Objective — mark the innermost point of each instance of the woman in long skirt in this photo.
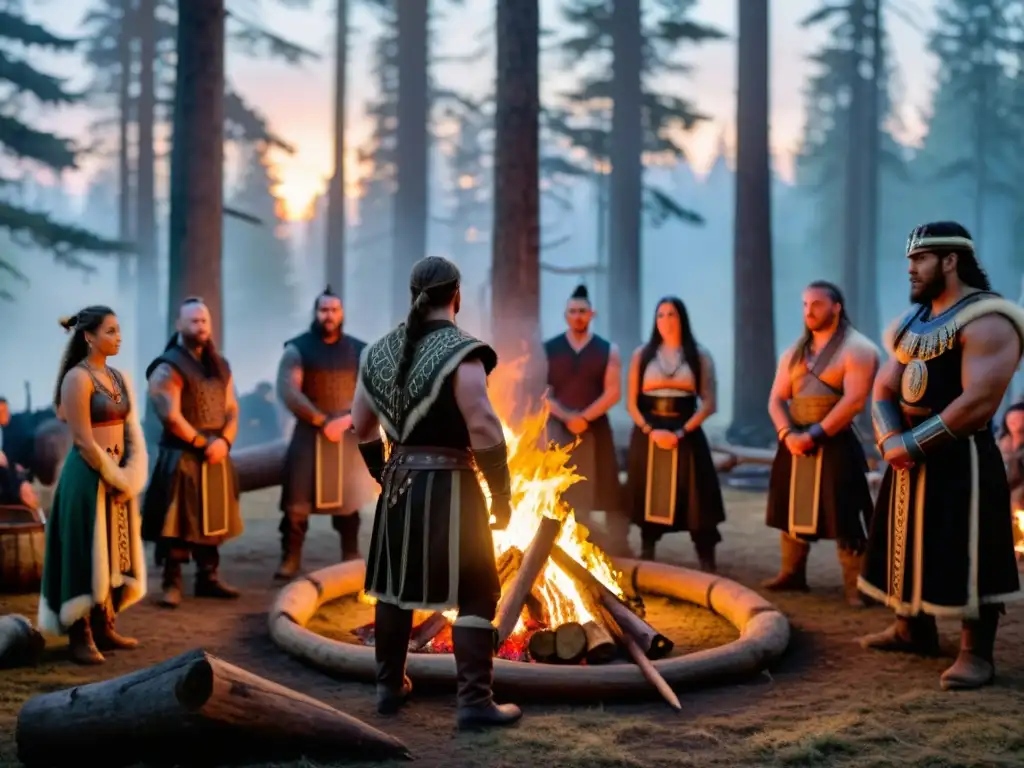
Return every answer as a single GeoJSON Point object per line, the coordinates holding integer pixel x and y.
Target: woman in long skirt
{"type": "Point", "coordinates": [672, 483]}
{"type": "Point", "coordinates": [95, 566]}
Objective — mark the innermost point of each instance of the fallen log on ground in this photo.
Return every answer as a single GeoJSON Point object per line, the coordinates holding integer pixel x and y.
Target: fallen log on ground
{"type": "Point", "coordinates": [534, 561]}
{"type": "Point", "coordinates": [647, 669]}
{"type": "Point", "coordinates": [21, 643]}
{"type": "Point", "coordinates": [259, 466]}
{"type": "Point", "coordinates": [192, 708]}
{"type": "Point", "coordinates": [654, 644]}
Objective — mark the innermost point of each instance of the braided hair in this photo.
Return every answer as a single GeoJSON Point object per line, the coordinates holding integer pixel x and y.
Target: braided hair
{"type": "Point", "coordinates": [85, 321]}
{"type": "Point", "coordinates": [433, 284]}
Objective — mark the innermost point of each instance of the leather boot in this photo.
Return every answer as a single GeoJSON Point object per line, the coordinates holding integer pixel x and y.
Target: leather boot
{"type": "Point", "coordinates": [792, 577]}
{"type": "Point", "coordinates": [474, 665]}
{"type": "Point", "coordinates": [208, 582]}
{"type": "Point", "coordinates": [293, 534]}
{"type": "Point", "coordinates": [851, 562]}
{"type": "Point", "coordinates": [908, 634]}
{"type": "Point", "coordinates": [975, 664]}
{"type": "Point", "coordinates": [704, 545]}
{"type": "Point", "coordinates": [104, 631]}
{"type": "Point", "coordinates": [171, 597]}
{"type": "Point", "coordinates": [392, 627]}
{"type": "Point", "coordinates": [81, 645]}
{"type": "Point", "coordinates": [347, 527]}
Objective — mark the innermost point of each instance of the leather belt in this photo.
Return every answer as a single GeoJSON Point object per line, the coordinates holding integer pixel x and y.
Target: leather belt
{"type": "Point", "coordinates": [665, 406]}
{"type": "Point", "coordinates": [406, 462]}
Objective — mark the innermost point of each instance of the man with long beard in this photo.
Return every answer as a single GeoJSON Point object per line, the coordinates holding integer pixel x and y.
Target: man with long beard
{"type": "Point", "coordinates": [818, 488]}
{"type": "Point", "coordinates": [191, 506]}
{"type": "Point", "coordinates": [941, 541]}
{"type": "Point", "coordinates": [584, 374]}
{"type": "Point", "coordinates": [324, 472]}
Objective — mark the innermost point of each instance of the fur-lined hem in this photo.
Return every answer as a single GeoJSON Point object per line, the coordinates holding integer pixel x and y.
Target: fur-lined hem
{"type": "Point", "coordinates": [903, 608]}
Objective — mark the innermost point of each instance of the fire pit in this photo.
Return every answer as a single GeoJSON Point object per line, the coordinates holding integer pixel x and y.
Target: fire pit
{"type": "Point", "coordinates": [562, 603]}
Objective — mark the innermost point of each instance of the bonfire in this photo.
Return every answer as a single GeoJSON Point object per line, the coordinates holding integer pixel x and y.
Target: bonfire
{"type": "Point", "coordinates": [1018, 532]}
{"type": "Point", "coordinates": [562, 601]}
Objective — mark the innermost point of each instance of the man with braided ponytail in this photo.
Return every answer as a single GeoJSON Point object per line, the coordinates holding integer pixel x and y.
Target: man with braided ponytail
{"type": "Point", "coordinates": [191, 505]}
{"type": "Point", "coordinates": [941, 541]}
{"type": "Point", "coordinates": [425, 384]}
{"type": "Point", "coordinates": [323, 473]}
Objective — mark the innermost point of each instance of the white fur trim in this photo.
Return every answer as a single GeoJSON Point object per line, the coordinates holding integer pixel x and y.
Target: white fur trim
{"type": "Point", "coordinates": [136, 470]}
{"type": "Point", "coordinates": [993, 306]}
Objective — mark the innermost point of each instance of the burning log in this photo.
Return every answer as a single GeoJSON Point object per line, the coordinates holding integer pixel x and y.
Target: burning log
{"type": "Point", "coordinates": [651, 642]}
{"type": "Point", "coordinates": [542, 646]}
{"type": "Point", "coordinates": [194, 705]}
{"type": "Point", "coordinates": [570, 643]}
{"type": "Point", "coordinates": [534, 560]}
{"type": "Point", "coordinates": [601, 647]}
{"type": "Point", "coordinates": [427, 630]}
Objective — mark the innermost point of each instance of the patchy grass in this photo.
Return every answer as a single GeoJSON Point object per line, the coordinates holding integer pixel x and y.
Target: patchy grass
{"type": "Point", "coordinates": [828, 703]}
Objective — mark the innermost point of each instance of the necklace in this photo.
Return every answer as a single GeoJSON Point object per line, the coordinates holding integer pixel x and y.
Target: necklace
{"type": "Point", "coordinates": [114, 391]}
{"type": "Point", "coordinates": [677, 358]}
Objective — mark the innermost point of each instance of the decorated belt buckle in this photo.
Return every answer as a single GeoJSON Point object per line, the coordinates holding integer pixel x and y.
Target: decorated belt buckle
{"type": "Point", "coordinates": [914, 382]}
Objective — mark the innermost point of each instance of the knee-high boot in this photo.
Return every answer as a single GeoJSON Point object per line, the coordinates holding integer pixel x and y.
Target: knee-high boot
{"type": "Point", "coordinates": [81, 644]}
{"type": "Point", "coordinates": [704, 543]}
{"type": "Point", "coordinates": [294, 525]}
{"type": "Point", "coordinates": [908, 634]}
{"type": "Point", "coordinates": [392, 627]}
{"type": "Point", "coordinates": [792, 577]}
{"type": "Point", "coordinates": [208, 580]}
{"type": "Point", "coordinates": [347, 527]}
{"type": "Point", "coordinates": [975, 665]}
{"type": "Point", "coordinates": [104, 629]}
{"type": "Point", "coordinates": [851, 560]}
{"type": "Point", "coordinates": [474, 639]}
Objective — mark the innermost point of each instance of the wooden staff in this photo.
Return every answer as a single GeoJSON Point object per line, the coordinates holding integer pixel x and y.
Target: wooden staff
{"type": "Point", "coordinates": [647, 668]}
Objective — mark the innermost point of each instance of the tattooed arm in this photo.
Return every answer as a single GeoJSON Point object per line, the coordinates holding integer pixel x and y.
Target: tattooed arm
{"type": "Point", "coordinates": [230, 431]}
{"type": "Point", "coordinates": [289, 388]}
{"type": "Point", "coordinates": [165, 385]}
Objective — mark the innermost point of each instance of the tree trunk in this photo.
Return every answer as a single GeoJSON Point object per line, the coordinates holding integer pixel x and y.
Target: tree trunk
{"type": "Point", "coordinates": [335, 255]}
{"type": "Point", "coordinates": [409, 221]}
{"type": "Point", "coordinates": [626, 154]}
{"type": "Point", "coordinates": [197, 160]}
{"type": "Point", "coordinates": [869, 322]}
{"type": "Point", "coordinates": [753, 302]}
{"type": "Point", "coordinates": [146, 275]}
{"type": "Point", "coordinates": [854, 180]}
{"type": "Point", "coordinates": [515, 255]}
{"type": "Point", "coordinates": [125, 38]}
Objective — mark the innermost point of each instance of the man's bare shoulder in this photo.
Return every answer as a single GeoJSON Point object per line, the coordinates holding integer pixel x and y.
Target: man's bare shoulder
{"type": "Point", "coordinates": [859, 347]}
{"type": "Point", "coordinates": [992, 331]}
{"type": "Point", "coordinates": [164, 375]}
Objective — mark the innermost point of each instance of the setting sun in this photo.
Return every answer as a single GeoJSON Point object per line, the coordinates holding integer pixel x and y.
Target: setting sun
{"type": "Point", "coordinates": [297, 192]}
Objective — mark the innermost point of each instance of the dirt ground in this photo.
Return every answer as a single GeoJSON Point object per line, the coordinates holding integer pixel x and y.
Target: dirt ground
{"type": "Point", "coordinates": [826, 703]}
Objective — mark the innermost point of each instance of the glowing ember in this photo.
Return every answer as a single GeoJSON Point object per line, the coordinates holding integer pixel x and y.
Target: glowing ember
{"type": "Point", "coordinates": [540, 475]}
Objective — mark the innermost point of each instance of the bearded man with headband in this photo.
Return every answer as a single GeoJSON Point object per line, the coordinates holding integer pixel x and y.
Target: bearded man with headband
{"type": "Point", "coordinates": [425, 383]}
{"type": "Point", "coordinates": [941, 542]}
{"type": "Point", "coordinates": [324, 472]}
{"type": "Point", "coordinates": [191, 506]}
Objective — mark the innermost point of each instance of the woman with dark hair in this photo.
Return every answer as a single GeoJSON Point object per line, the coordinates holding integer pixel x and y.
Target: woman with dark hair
{"type": "Point", "coordinates": [95, 566]}
{"type": "Point", "coordinates": [673, 485]}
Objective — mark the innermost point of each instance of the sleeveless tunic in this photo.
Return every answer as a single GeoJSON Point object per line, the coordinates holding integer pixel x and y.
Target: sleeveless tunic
{"type": "Point", "coordinates": [576, 380]}
{"type": "Point", "coordinates": [431, 546]}
{"type": "Point", "coordinates": [173, 512]}
{"type": "Point", "coordinates": [329, 374]}
{"type": "Point", "coordinates": [941, 542]}
{"type": "Point", "coordinates": [699, 505]}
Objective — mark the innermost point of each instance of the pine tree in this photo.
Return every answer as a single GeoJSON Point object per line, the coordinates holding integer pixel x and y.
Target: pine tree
{"type": "Point", "coordinates": [259, 283]}
{"type": "Point", "coordinates": [970, 156]}
{"type": "Point", "coordinates": [17, 138]}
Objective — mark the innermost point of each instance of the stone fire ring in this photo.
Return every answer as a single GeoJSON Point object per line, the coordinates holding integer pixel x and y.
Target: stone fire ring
{"type": "Point", "coordinates": [764, 636]}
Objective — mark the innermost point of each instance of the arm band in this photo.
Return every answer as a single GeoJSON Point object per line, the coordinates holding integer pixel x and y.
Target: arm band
{"type": "Point", "coordinates": [886, 419]}
{"type": "Point", "coordinates": [926, 437]}
{"type": "Point", "coordinates": [493, 465]}
{"type": "Point", "coordinates": [373, 455]}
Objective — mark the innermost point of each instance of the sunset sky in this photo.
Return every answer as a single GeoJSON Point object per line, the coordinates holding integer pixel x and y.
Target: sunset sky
{"type": "Point", "coordinates": [297, 100]}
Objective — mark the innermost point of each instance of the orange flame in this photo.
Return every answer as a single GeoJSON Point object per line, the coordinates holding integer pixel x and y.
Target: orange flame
{"type": "Point", "coordinates": [1018, 532]}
